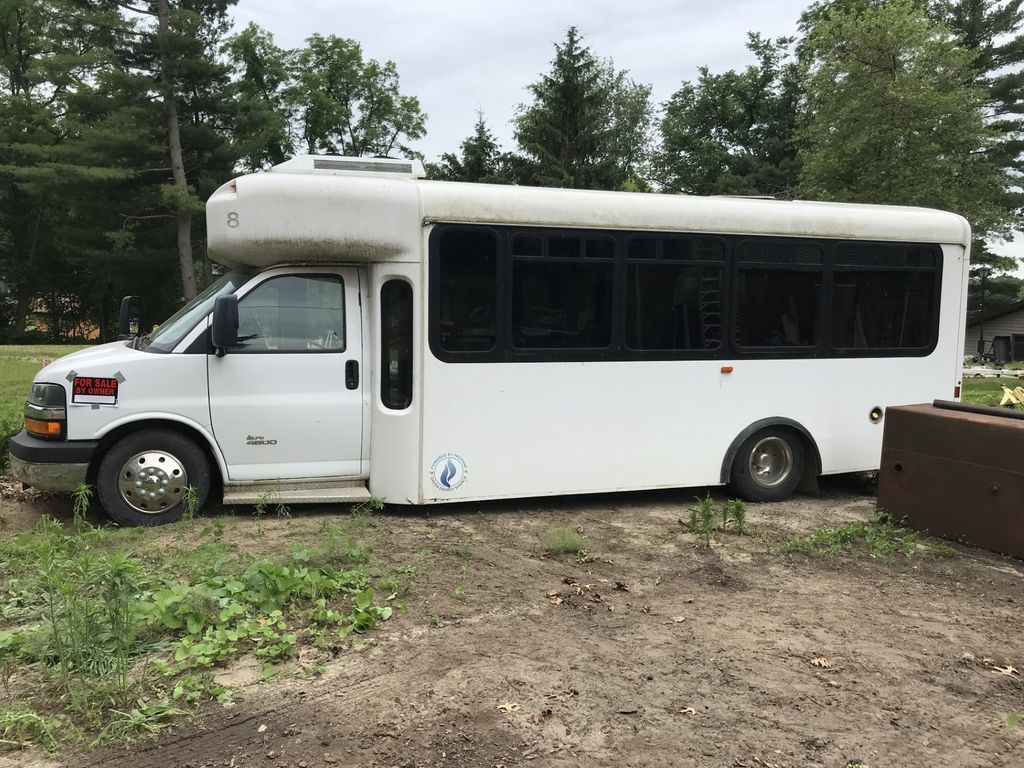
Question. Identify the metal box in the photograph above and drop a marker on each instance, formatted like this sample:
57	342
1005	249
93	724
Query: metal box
956	471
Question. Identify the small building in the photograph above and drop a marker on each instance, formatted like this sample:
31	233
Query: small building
1004	334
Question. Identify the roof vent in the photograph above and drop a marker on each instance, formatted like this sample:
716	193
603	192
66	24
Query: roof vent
338	164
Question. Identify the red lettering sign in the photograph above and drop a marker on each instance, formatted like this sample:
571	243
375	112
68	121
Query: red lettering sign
94	389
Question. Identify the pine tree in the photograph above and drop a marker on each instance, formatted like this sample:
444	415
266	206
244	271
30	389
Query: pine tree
587	125
480	159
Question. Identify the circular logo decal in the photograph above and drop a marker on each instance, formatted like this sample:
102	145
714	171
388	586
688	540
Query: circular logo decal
448	472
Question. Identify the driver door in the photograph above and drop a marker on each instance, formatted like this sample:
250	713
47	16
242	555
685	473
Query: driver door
288	403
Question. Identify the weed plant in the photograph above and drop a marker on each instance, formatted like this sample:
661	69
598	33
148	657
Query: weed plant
705	512
126	643
881	537
563	540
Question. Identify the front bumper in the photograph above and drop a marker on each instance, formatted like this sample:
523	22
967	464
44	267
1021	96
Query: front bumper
49	464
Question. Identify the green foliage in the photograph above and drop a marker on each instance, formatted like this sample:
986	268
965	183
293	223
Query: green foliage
262	115
702	518
705	513
991	29
587	126
129	642
735	514
350	105
22	728
373	504
562	540
986	391
191	501
880	538
892	116
481	159
732	133
81	498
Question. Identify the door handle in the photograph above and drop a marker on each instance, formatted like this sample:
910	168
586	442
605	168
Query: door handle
352	374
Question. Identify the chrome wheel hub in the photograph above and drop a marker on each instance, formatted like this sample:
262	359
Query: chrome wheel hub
152	482
771	462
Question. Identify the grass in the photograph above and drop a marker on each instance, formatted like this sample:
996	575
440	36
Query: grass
18	366
881	537
987	391
107	634
563	540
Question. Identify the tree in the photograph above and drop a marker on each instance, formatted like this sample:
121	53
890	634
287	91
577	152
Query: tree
892	116
350	105
262	115
732	133
178	54
49	52
588	124
480	159
991	29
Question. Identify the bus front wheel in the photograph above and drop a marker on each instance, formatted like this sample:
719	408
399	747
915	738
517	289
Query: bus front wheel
768	465
152	477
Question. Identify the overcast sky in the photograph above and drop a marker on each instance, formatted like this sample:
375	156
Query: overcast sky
458	56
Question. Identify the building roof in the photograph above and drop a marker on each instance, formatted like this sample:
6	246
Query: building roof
1017	306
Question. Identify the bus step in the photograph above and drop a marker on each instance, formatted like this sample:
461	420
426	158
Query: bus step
320	492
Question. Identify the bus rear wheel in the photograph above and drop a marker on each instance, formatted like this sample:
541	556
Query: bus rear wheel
152	477
768	465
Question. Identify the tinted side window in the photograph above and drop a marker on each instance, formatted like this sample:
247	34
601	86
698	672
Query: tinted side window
293	313
672	301
563	298
778	294
884	297
396	344
468	294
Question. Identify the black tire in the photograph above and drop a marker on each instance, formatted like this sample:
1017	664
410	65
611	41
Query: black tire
134	492
768	465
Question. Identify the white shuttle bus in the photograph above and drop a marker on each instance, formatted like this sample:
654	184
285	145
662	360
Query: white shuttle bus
422	342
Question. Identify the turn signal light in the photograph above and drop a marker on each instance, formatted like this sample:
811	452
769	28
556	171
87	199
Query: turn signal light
43	428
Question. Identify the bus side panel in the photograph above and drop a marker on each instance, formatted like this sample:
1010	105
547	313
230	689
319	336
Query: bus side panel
395	434
521	429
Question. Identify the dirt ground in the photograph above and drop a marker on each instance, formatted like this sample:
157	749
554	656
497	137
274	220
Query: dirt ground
648	651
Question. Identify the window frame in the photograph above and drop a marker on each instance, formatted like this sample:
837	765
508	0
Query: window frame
496	353
720	352
933	327
618	349
339	278
784	351
514	353
385	360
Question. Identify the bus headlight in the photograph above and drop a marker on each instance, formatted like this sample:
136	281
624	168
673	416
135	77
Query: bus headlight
46	411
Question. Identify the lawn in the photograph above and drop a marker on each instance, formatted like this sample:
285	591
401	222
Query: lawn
987	391
18	366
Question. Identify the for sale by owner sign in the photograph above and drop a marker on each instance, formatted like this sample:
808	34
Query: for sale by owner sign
93	389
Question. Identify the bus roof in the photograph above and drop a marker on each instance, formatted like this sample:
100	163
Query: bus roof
300	212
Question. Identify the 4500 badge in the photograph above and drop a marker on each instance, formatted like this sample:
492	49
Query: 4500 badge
449	471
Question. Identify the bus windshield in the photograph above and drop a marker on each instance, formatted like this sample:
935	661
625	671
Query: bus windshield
170	333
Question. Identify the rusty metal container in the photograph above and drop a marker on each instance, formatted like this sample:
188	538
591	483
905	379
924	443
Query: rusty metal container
956	471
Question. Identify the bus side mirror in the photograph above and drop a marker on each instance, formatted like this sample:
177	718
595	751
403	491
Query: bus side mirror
129	320
224	329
